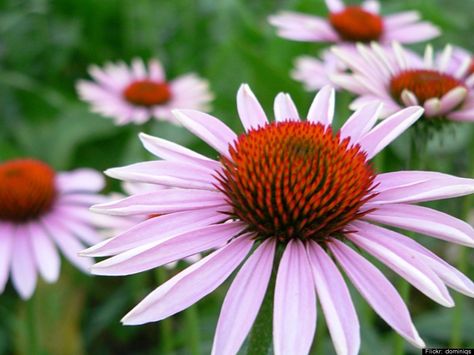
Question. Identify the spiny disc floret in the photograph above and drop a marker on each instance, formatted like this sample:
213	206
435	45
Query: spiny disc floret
295	180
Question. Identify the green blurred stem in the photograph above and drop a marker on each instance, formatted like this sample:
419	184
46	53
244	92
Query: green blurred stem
260	341
31	327
191	318
399	342
166	346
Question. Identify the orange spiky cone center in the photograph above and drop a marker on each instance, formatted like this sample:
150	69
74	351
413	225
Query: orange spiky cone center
355	24
147	93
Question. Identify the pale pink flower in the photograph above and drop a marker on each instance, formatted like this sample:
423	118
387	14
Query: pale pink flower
440	83
42	211
139	92
296	186
346	25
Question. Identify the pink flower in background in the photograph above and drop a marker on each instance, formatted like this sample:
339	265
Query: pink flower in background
41	210
139	92
443	86
302	188
346	25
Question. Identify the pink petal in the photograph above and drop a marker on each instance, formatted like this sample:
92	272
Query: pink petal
86	180
400	19
167	173
294	317
171	151
47	257
190	285
371	6
164	201
154	230
66	242
361	121
300	27
376	241
335	5
285	109
419	186
155	70
322	108
335	299
243	300
250	111
450	275
387	131
377	290
23	263
425	221
6	250
210	129
413	33
161	252
452	99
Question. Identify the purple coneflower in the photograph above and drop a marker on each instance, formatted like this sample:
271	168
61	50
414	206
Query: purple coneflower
137	93
441	83
39	211
292	187
345	26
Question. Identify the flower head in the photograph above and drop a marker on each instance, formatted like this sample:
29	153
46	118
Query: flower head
297	186
41	209
346	26
441	84
137	93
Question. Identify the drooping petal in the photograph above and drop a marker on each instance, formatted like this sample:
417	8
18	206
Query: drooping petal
47	257
285	109
335	299
190	285
250	111
401	260
151	255
155	229
449	274
377	290
419	186
243	300
6	250
210	129
168	150
322	108
86	180
167	173
163	201
23	263
424	220
294	316
387	131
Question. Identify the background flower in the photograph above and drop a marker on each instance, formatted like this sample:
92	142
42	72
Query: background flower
136	93
346	26
444	88
40	211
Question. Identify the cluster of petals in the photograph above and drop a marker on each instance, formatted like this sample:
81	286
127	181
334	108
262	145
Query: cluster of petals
374	70
31	247
107	93
403	27
196	217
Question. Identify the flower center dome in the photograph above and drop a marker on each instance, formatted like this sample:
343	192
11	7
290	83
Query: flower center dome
147	93
355	24
27	190
424	84
295	180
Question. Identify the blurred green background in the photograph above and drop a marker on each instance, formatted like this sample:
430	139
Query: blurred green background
45	46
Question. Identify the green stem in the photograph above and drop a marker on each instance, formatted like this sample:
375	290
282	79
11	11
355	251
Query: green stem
191	318
31	326
166	346
399	342
260	341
